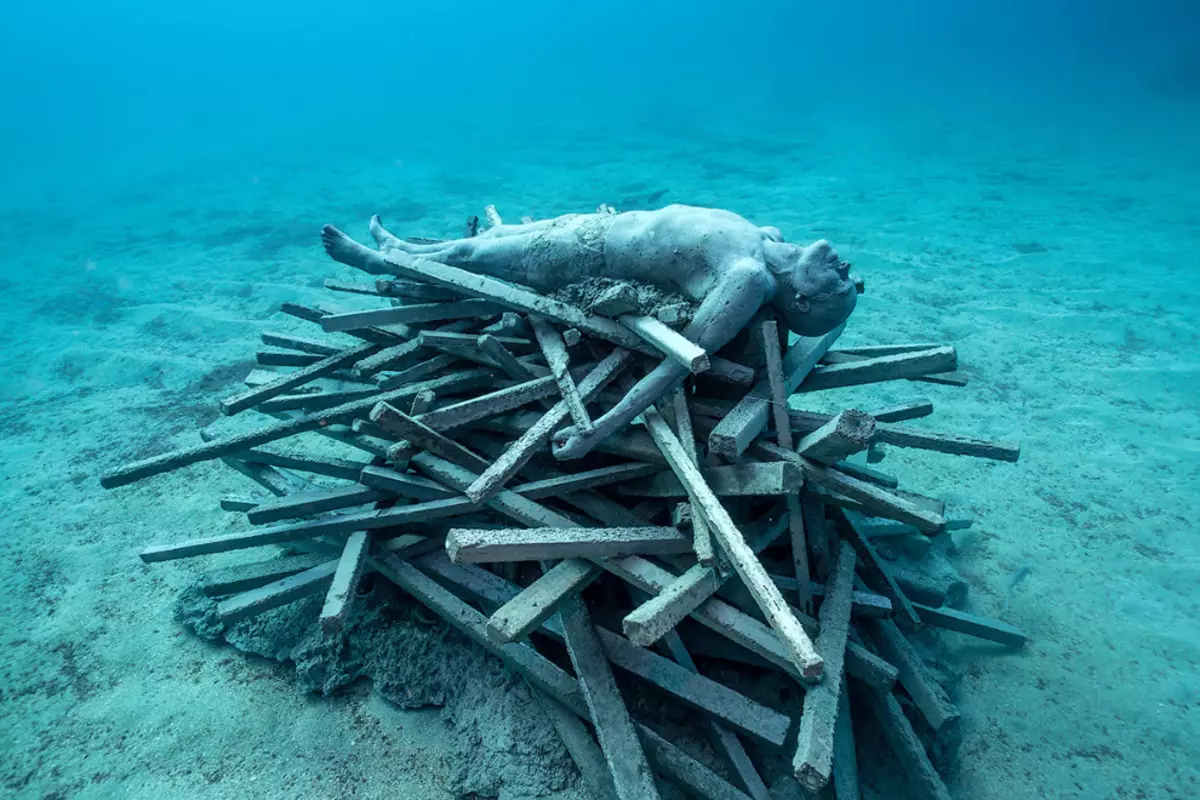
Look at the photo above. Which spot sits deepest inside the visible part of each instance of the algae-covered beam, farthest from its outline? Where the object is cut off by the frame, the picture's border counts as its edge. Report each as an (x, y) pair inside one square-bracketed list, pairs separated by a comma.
[(783, 435), (739, 427), (414, 290), (875, 573), (501, 401), (314, 401), (875, 500), (614, 727), (881, 368), (923, 780), (396, 421), (281, 592), (703, 694), (518, 298), (952, 619), (748, 479), (328, 526), (914, 409), (724, 740), (271, 358), (927, 694), (580, 745), (554, 349), (301, 343), (845, 760), (405, 485), (567, 483), (862, 603), (457, 341), (317, 501), (900, 436), (877, 350), (799, 646), (848, 432), (328, 466), (243, 577), (481, 546), (311, 314), (345, 580), (673, 345), (492, 479), (701, 537), (813, 762), (417, 372), (402, 315), (493, 348), (396, 356), (744, 630), (350, 288), (237, 443), (682, 595), (654, 617), (525, 612)]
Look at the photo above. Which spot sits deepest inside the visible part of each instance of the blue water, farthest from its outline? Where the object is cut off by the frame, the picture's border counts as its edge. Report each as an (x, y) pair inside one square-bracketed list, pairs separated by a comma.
[(1021, 179)]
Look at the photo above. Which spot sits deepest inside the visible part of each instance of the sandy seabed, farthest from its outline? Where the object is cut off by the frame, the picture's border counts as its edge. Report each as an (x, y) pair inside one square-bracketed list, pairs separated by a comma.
[(1058, 256)]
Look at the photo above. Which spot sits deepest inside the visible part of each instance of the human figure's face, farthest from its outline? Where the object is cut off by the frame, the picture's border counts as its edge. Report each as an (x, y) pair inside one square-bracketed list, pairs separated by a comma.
[(815, 293)]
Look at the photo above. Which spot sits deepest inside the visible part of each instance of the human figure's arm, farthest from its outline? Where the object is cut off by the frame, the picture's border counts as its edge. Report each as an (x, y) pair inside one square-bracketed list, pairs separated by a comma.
[(727, 309)]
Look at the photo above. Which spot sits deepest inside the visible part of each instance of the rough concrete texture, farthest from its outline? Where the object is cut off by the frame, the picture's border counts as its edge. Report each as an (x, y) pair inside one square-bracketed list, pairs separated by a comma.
[(504, 746), (649, 299)]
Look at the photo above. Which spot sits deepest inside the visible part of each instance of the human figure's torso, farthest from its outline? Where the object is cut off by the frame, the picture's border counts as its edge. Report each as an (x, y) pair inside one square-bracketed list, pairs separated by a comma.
[(681, 248)]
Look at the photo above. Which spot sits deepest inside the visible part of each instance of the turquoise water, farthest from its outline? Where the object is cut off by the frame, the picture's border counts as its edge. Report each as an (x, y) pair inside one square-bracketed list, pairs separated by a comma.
[(1021, 180)]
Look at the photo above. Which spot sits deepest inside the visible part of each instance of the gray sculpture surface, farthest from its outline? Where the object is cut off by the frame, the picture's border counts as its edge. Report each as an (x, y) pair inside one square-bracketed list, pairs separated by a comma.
[(723, 262)]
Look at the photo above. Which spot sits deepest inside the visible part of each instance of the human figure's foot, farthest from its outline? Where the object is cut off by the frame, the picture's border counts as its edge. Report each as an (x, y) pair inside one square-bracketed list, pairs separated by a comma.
[(493, 217), (383, 238), (344, 250)]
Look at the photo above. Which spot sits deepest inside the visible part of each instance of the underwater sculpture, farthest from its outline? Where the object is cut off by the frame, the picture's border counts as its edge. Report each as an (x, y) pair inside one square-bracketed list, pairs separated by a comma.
[(458, 506), (716, 258)]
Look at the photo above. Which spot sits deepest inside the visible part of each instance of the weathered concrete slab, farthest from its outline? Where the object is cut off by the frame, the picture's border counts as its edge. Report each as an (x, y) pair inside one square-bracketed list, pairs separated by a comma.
[(875, 572), (799, 646), (749, 417), (849, 432), (880, 368), (307, 504), (483, 546), (538, 435), (554, 349), (407, 315), (618, 737), (345, 580), (526, 612), (283, 591), (813, 762), (291, 380), (244, 577), (237, 443), (670, 343), (749, 479)]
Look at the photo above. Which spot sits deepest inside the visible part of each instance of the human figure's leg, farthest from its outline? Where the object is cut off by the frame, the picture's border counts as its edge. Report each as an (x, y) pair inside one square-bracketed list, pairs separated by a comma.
[(499, 258)]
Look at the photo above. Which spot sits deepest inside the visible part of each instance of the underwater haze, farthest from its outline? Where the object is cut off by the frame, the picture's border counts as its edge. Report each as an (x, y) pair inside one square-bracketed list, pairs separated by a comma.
[(1020, 179)]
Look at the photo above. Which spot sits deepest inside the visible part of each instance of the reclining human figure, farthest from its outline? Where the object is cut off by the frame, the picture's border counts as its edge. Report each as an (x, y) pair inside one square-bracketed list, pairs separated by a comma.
[(716, 258)]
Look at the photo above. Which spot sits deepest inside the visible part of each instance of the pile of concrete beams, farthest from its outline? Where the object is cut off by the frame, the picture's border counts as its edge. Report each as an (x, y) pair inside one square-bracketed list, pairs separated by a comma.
[(726, 528)]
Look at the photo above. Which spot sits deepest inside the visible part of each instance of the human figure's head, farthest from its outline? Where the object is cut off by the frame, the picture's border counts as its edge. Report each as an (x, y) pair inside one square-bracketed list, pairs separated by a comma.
[(814, 292)]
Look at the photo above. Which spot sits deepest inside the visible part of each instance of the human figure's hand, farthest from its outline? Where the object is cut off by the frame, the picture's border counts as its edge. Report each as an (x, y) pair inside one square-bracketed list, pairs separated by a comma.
[(570, 443)]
